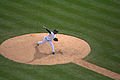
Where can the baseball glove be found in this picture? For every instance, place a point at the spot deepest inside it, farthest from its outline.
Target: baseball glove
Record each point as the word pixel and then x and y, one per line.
pixel 55 39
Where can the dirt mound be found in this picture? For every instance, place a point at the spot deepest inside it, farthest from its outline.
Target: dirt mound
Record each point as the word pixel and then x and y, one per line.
pixel 23 49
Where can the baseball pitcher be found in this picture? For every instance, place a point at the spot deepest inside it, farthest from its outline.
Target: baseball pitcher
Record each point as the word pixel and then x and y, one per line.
pixel 51 36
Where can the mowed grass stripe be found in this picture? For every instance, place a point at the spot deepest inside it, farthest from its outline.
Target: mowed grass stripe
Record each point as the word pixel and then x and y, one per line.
pixel 90 10
pixel 40 73
pixel 18 19
pixel 116 1
pixel 110 3
pixel 8 76
pixel 3 78
pixel 17 15
pixel 92 3
pixel 16 74
pixel 103 7
pixel 9 24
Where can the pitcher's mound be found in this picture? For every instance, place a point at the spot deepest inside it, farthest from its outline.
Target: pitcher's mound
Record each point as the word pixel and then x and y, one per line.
pixel 23 49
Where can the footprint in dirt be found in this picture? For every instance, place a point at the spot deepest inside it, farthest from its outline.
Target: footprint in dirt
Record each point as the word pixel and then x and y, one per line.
pixel 59 52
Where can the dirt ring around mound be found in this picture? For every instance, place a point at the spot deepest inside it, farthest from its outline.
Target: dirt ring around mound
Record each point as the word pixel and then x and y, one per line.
pixel 23 49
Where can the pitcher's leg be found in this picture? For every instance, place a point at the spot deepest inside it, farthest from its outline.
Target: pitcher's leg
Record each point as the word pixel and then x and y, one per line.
pixel 41 42
pixel 52 46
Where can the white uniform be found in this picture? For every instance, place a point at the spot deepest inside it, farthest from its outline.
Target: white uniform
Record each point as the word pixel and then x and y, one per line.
pixel 48 39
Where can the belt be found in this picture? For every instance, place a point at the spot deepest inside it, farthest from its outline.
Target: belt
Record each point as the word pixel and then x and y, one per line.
pixel 47 39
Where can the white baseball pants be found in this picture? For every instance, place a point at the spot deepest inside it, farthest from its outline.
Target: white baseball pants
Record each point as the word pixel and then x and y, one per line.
pixel 50 42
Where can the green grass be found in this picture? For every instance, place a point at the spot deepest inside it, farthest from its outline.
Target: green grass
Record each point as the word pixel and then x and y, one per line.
pixel 16 71
pixel 95 21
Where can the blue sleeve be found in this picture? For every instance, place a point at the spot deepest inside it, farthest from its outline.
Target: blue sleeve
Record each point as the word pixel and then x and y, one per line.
pixel 48 31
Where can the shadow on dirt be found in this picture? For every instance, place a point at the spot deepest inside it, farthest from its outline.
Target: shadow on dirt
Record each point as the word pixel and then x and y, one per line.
pixel 38 55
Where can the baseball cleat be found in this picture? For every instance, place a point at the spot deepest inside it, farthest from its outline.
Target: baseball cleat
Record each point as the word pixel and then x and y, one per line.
pixel 53 52
pixel 37 44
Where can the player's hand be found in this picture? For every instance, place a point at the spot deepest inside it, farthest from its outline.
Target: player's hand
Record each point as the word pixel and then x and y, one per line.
pixel 44 27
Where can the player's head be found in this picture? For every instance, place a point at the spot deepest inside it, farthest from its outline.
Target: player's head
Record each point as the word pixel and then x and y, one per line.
pixel 55 31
